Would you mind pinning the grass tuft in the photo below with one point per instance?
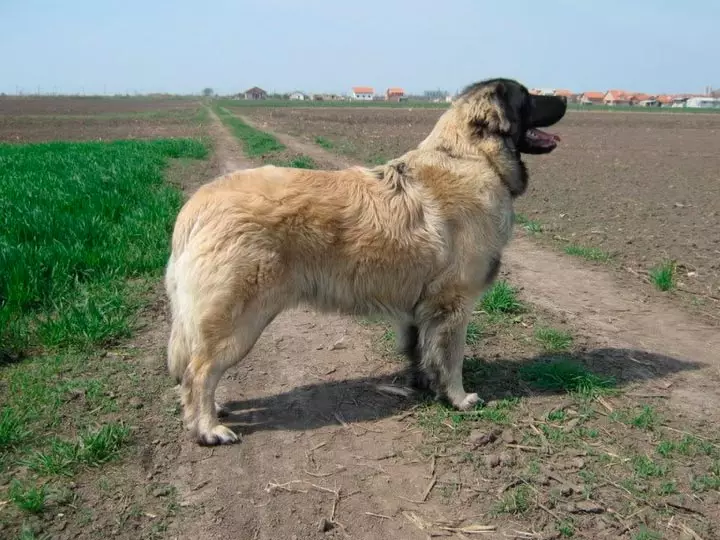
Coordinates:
(553, 340)
(501, 299)
(644, 467)
(588, 253)
(103, 445)
(13, 429)
(30, 499)
(562, 374)
(663, 276)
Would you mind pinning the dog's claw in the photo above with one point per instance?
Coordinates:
(218, 435)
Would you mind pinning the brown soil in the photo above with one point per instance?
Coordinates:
(642, 187)
(46, 105)
(19, 129)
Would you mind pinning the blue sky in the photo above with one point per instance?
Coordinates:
(183, 46)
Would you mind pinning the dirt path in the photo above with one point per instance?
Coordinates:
(597, 306)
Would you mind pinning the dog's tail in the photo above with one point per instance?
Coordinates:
(179, 345)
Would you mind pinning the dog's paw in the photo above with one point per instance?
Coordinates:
(468, 402)
(218, 435)
(221, 411)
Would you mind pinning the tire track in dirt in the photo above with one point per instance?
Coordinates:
(313, 424)
(597, 306)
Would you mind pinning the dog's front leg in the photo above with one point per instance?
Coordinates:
(442, 346)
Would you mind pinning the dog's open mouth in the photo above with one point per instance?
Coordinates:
(546, 111)
(541, 140)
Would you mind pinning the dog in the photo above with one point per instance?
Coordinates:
(417, 240)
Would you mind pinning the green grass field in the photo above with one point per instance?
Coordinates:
(84, 234)
(78, 221)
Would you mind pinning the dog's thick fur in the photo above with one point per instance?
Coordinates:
(418, 240)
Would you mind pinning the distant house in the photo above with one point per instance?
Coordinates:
(665, 100)
(616, 97)
(255, 93)
(298, 96)
(703, 102)
(569, 95)
(592, 98)
(394, 94)
(365, 93)
(648, 103)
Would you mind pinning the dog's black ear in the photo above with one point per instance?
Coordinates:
(488, 109)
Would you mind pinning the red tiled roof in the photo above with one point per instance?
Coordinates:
(396, 91)
(566, 93)
(363, 89)
(594, 95)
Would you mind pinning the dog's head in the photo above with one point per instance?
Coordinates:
(505, 108)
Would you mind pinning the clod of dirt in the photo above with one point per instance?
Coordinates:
(480, 438)
(566, 491)
(584, 507)
(509, 436)
(492, 460)
(325, 525)
(507, 459)
(577, 463)
(135, 402)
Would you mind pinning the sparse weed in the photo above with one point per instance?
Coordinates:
(325, 143)
(644, 533)
(473, 333)
(663, 276)
(514, 501)
(566, 528)
(533, 226)
(644, 467)
(553, 340)
(647, 419)
(588, 253)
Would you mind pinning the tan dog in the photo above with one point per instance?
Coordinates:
(417, 240)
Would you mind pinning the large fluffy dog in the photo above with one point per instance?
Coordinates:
(417, 240)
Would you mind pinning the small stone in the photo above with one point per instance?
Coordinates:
(339, 345)
(135, 402)
(577, 463)
(544, 481)
(319, 347)
(509, 436)
(480, 438)
(492, 460)
(566, 491)
(325, 525)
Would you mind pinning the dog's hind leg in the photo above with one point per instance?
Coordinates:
(222, 346)
(442, 343)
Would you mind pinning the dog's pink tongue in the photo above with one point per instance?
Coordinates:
(544, 135)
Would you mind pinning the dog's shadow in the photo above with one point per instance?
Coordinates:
(322, 404)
